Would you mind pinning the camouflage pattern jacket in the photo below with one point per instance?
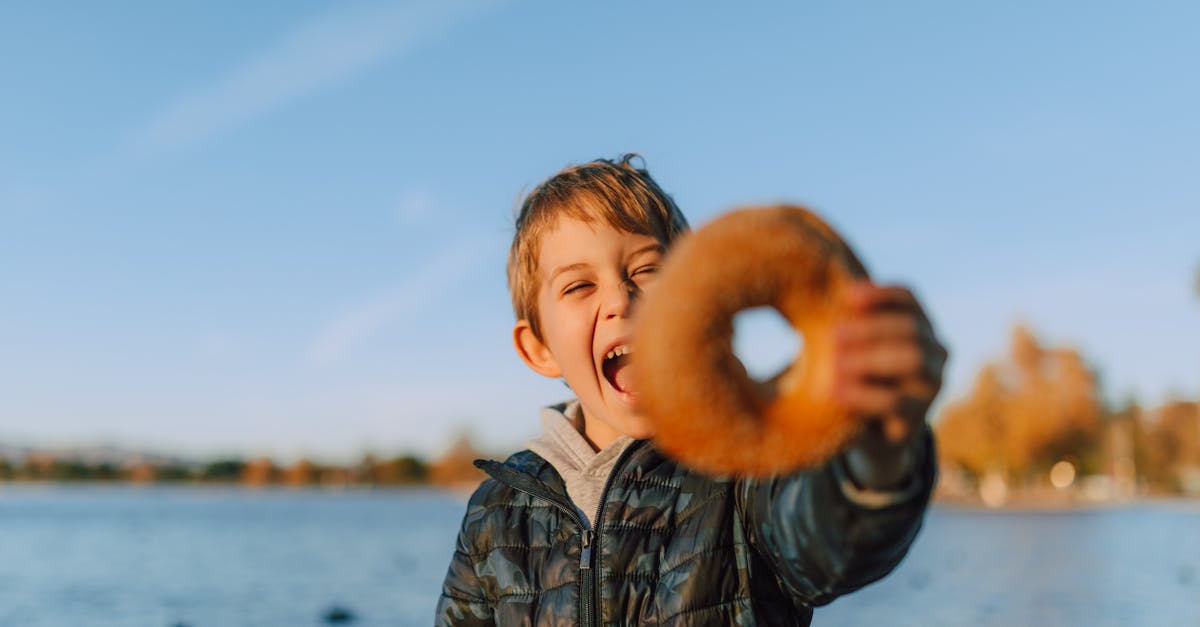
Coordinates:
(670, 546)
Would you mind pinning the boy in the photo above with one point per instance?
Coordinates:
(592, 526)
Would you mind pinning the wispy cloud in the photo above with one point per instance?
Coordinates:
(318, 54)
(356, 323)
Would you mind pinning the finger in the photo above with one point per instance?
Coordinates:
(907, 399)
(868, 297)
(916, 370)
(867, 399)
(868, 329)
(887, 360)
(862, 331)
(865, 296)
(896, 411)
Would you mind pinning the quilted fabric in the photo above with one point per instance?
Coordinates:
(670, 547)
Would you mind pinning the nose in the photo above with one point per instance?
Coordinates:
(619, 299)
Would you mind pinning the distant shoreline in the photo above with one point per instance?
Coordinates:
(196, 486)
(1022, 506)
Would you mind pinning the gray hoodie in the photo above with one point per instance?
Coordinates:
(584, 470)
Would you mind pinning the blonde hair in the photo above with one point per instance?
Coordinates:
(615, 192)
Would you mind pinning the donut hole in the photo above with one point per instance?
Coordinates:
(765, 342)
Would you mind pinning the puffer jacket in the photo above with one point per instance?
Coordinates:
(669, 547)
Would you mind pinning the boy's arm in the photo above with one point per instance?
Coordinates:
(836, 529)
(459, 603)
(463, 601)
(824, 535)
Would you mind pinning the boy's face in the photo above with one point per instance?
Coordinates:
(589, 277)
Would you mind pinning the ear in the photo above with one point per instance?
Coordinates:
(534, 352)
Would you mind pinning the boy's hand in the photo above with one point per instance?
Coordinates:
(888, 370)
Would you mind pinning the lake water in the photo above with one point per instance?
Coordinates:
(155, 556)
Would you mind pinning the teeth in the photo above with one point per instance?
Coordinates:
(623, 349)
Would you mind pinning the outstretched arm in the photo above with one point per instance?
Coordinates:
(836, 529)
(824, 535)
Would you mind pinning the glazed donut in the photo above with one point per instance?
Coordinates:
(702, 405)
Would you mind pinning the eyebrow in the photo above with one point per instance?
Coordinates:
(561, 269)
(655, 247)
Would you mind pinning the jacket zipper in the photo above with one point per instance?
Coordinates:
(592, 617)
(589, 584)
(586, 578)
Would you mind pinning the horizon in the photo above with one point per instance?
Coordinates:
(281, 232)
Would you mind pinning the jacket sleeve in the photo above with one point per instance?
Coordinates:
(464, 602)
(823, 537)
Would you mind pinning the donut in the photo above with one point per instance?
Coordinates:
(703, 407)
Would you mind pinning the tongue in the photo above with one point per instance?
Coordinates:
(621, 378)
(617, 372)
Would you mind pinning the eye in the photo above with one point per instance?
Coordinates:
(575, 287)
(642, 272)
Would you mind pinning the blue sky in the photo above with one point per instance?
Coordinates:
(279, 228)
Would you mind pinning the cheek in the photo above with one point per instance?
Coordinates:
(568, 332)
(575, 318)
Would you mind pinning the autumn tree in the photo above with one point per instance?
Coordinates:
(1174, 441)
(456, 466)
(1025, 413)
(971, 431)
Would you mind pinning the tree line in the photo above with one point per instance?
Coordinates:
(454, 467)
(1042, 405)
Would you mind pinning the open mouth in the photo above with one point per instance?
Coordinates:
(616, 368)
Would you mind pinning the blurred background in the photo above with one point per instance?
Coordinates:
(252, 270)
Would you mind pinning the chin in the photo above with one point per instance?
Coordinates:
(638, 428)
